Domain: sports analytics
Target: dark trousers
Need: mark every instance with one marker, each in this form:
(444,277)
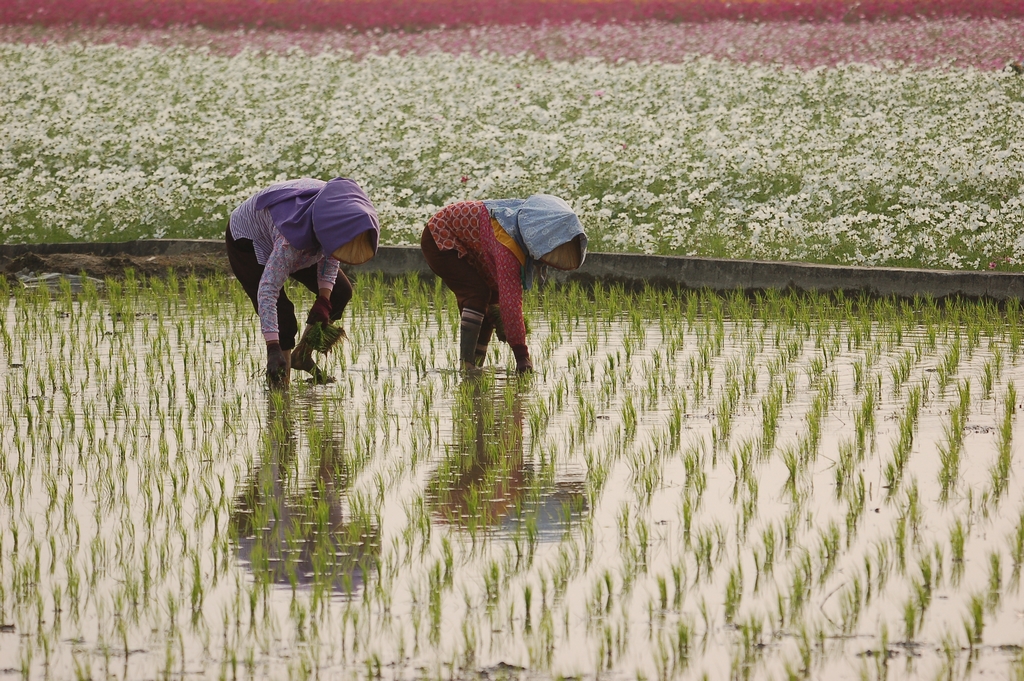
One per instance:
(470,288)
(242,257)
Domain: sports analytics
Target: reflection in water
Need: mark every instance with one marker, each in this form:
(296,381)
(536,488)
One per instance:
(484,480)
(288,523)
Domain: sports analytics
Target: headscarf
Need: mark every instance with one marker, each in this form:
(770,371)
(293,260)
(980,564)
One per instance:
(327,217)
(539,224)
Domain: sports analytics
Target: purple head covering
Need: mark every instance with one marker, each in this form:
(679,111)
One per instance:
(327,217)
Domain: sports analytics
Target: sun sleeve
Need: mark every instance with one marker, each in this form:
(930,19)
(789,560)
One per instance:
(327,272)
(280,264)
(510,294)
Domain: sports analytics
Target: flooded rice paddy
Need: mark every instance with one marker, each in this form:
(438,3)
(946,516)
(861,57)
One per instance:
(765,486)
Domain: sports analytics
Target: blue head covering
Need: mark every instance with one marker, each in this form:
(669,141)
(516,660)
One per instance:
(539,224)
(327,217)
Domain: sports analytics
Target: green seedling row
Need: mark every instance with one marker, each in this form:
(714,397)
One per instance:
(745,485)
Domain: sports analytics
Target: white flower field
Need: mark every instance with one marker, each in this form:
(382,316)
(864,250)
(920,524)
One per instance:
(854,164)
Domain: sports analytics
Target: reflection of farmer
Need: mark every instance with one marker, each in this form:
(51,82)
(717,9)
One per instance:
(486,253)
(482,479)
(293,532)
(302,229)
(485,481)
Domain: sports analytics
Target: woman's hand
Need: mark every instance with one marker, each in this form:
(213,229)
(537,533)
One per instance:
(321,311)
(277,365)
(523,363)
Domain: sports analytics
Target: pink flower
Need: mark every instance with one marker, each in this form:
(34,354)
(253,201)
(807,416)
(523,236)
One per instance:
(558,30)
(810,25)
(991,265)
(466,179)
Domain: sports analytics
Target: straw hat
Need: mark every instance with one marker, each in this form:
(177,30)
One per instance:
(568,256)
(355,252)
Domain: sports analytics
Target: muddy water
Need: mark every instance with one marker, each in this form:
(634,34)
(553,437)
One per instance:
(626,512)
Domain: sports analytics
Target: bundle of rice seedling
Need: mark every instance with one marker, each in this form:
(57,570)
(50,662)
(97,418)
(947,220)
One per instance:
(322,337)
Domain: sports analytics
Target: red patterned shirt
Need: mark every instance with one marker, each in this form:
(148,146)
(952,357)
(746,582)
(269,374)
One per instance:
(466,227)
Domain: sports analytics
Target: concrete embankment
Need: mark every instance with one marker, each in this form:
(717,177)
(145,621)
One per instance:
(626,268)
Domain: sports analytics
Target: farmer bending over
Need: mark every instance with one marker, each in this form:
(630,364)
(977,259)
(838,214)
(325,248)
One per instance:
(486,252)
(302,229)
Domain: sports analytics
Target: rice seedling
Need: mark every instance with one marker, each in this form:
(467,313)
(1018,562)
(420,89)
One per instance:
(408,517)
(974,622)
(903,445)
(950,450)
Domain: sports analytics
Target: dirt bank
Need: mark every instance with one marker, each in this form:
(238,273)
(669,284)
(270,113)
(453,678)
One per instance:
(102,266)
